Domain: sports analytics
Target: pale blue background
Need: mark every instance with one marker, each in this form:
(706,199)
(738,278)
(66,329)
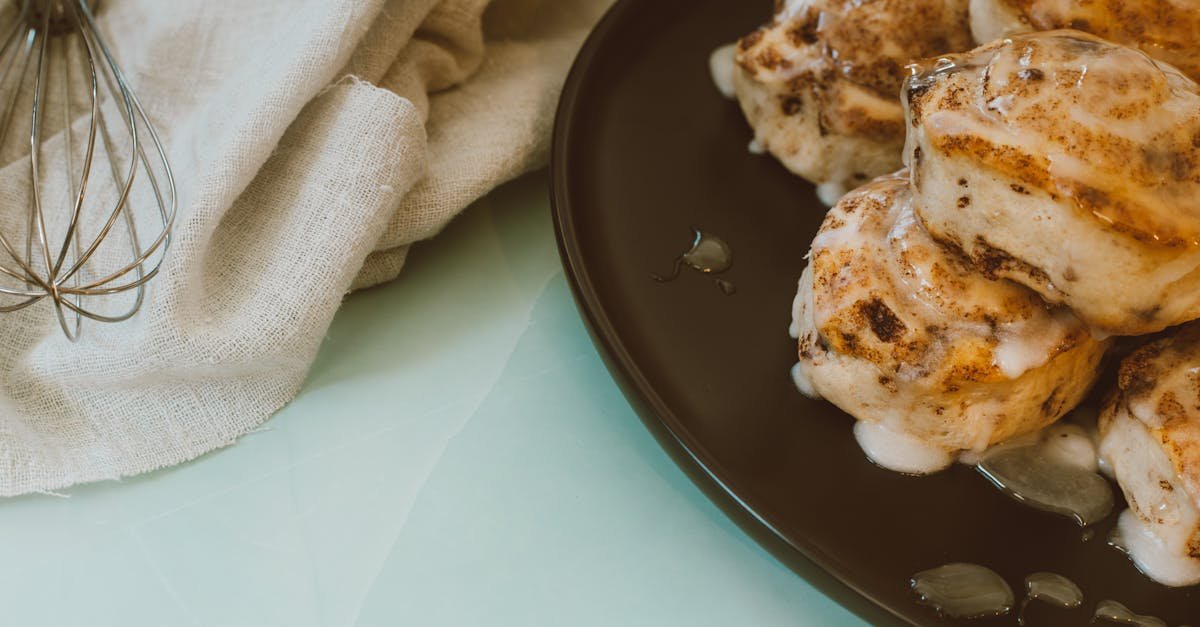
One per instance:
(458,456)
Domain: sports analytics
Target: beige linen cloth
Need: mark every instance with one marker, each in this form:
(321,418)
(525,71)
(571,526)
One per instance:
(313,142)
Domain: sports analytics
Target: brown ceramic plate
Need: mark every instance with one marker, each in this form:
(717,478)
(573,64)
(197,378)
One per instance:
(644,149)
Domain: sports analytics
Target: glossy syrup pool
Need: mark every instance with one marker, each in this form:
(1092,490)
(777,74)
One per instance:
(962,590)
(1050,588)
(709,254)
(1036,476)
(972,591)
(1054,471)
(1113,612)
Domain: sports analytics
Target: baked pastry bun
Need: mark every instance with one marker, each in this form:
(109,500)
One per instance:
(820,83)
(1068,164)
(921,347)
(1167,30)
(1150,439)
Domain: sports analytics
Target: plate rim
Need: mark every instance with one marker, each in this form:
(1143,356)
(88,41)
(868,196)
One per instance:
(655,413)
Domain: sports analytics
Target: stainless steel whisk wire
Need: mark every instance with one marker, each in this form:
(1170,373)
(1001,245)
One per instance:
(66,275)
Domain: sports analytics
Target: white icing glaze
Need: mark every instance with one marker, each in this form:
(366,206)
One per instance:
(972,458)
(791,9)
(797,305)
(1071,444)
(1067,442)
(899,452)
(1029,344)
(721,66)
(1018,353)
(803,381)
(756,147)
(1001,104)
(991,20)
(1152,557)
(848,235)
(830,192)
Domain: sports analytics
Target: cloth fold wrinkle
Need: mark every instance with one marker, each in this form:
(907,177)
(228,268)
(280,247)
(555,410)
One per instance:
(313,143)
(494,127)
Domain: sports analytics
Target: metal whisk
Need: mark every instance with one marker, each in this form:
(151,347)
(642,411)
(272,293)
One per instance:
(87,198)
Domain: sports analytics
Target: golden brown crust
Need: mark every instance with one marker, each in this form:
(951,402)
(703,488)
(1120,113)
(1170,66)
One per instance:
(1078,118)
(868,316)
(895,329)
(816,46)
(1160,385)
(1168,30)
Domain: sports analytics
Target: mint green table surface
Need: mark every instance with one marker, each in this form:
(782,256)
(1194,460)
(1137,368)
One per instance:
(458,456)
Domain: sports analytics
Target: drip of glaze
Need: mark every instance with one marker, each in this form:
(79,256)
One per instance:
(898,452)
(803,381)
(1114,612)
(1071,444)
(830,192)
(709,254)
(1147,551)
(721,67)
(963,591)
(1049,482)
(797,306)
(1052,589)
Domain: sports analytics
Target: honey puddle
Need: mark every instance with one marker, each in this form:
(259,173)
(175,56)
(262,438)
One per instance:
(709,254)
(963,591)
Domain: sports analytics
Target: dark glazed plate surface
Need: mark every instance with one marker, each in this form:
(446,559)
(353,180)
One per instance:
(644,149)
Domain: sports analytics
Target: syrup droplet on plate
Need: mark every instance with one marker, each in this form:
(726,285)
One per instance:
(1049,483)
(963,591)
(1050,588)
(709,254)
(1114,612)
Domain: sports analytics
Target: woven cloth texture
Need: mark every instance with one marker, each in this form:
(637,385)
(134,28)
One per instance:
(313,142)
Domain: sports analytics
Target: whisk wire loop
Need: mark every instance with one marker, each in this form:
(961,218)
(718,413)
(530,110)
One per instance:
(74,225)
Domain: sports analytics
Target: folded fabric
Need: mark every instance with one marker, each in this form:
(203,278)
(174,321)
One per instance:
(312,142)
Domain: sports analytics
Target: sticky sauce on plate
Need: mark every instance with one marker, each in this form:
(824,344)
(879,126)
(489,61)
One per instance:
(968,591)
(1050,588)
(1114,612)
(709,254)
(1057,474)
(963,591)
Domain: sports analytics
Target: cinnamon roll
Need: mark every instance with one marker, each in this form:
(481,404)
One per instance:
(1150,439)
(820,83)
(932,357)
(1164,29)
(1068,164)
